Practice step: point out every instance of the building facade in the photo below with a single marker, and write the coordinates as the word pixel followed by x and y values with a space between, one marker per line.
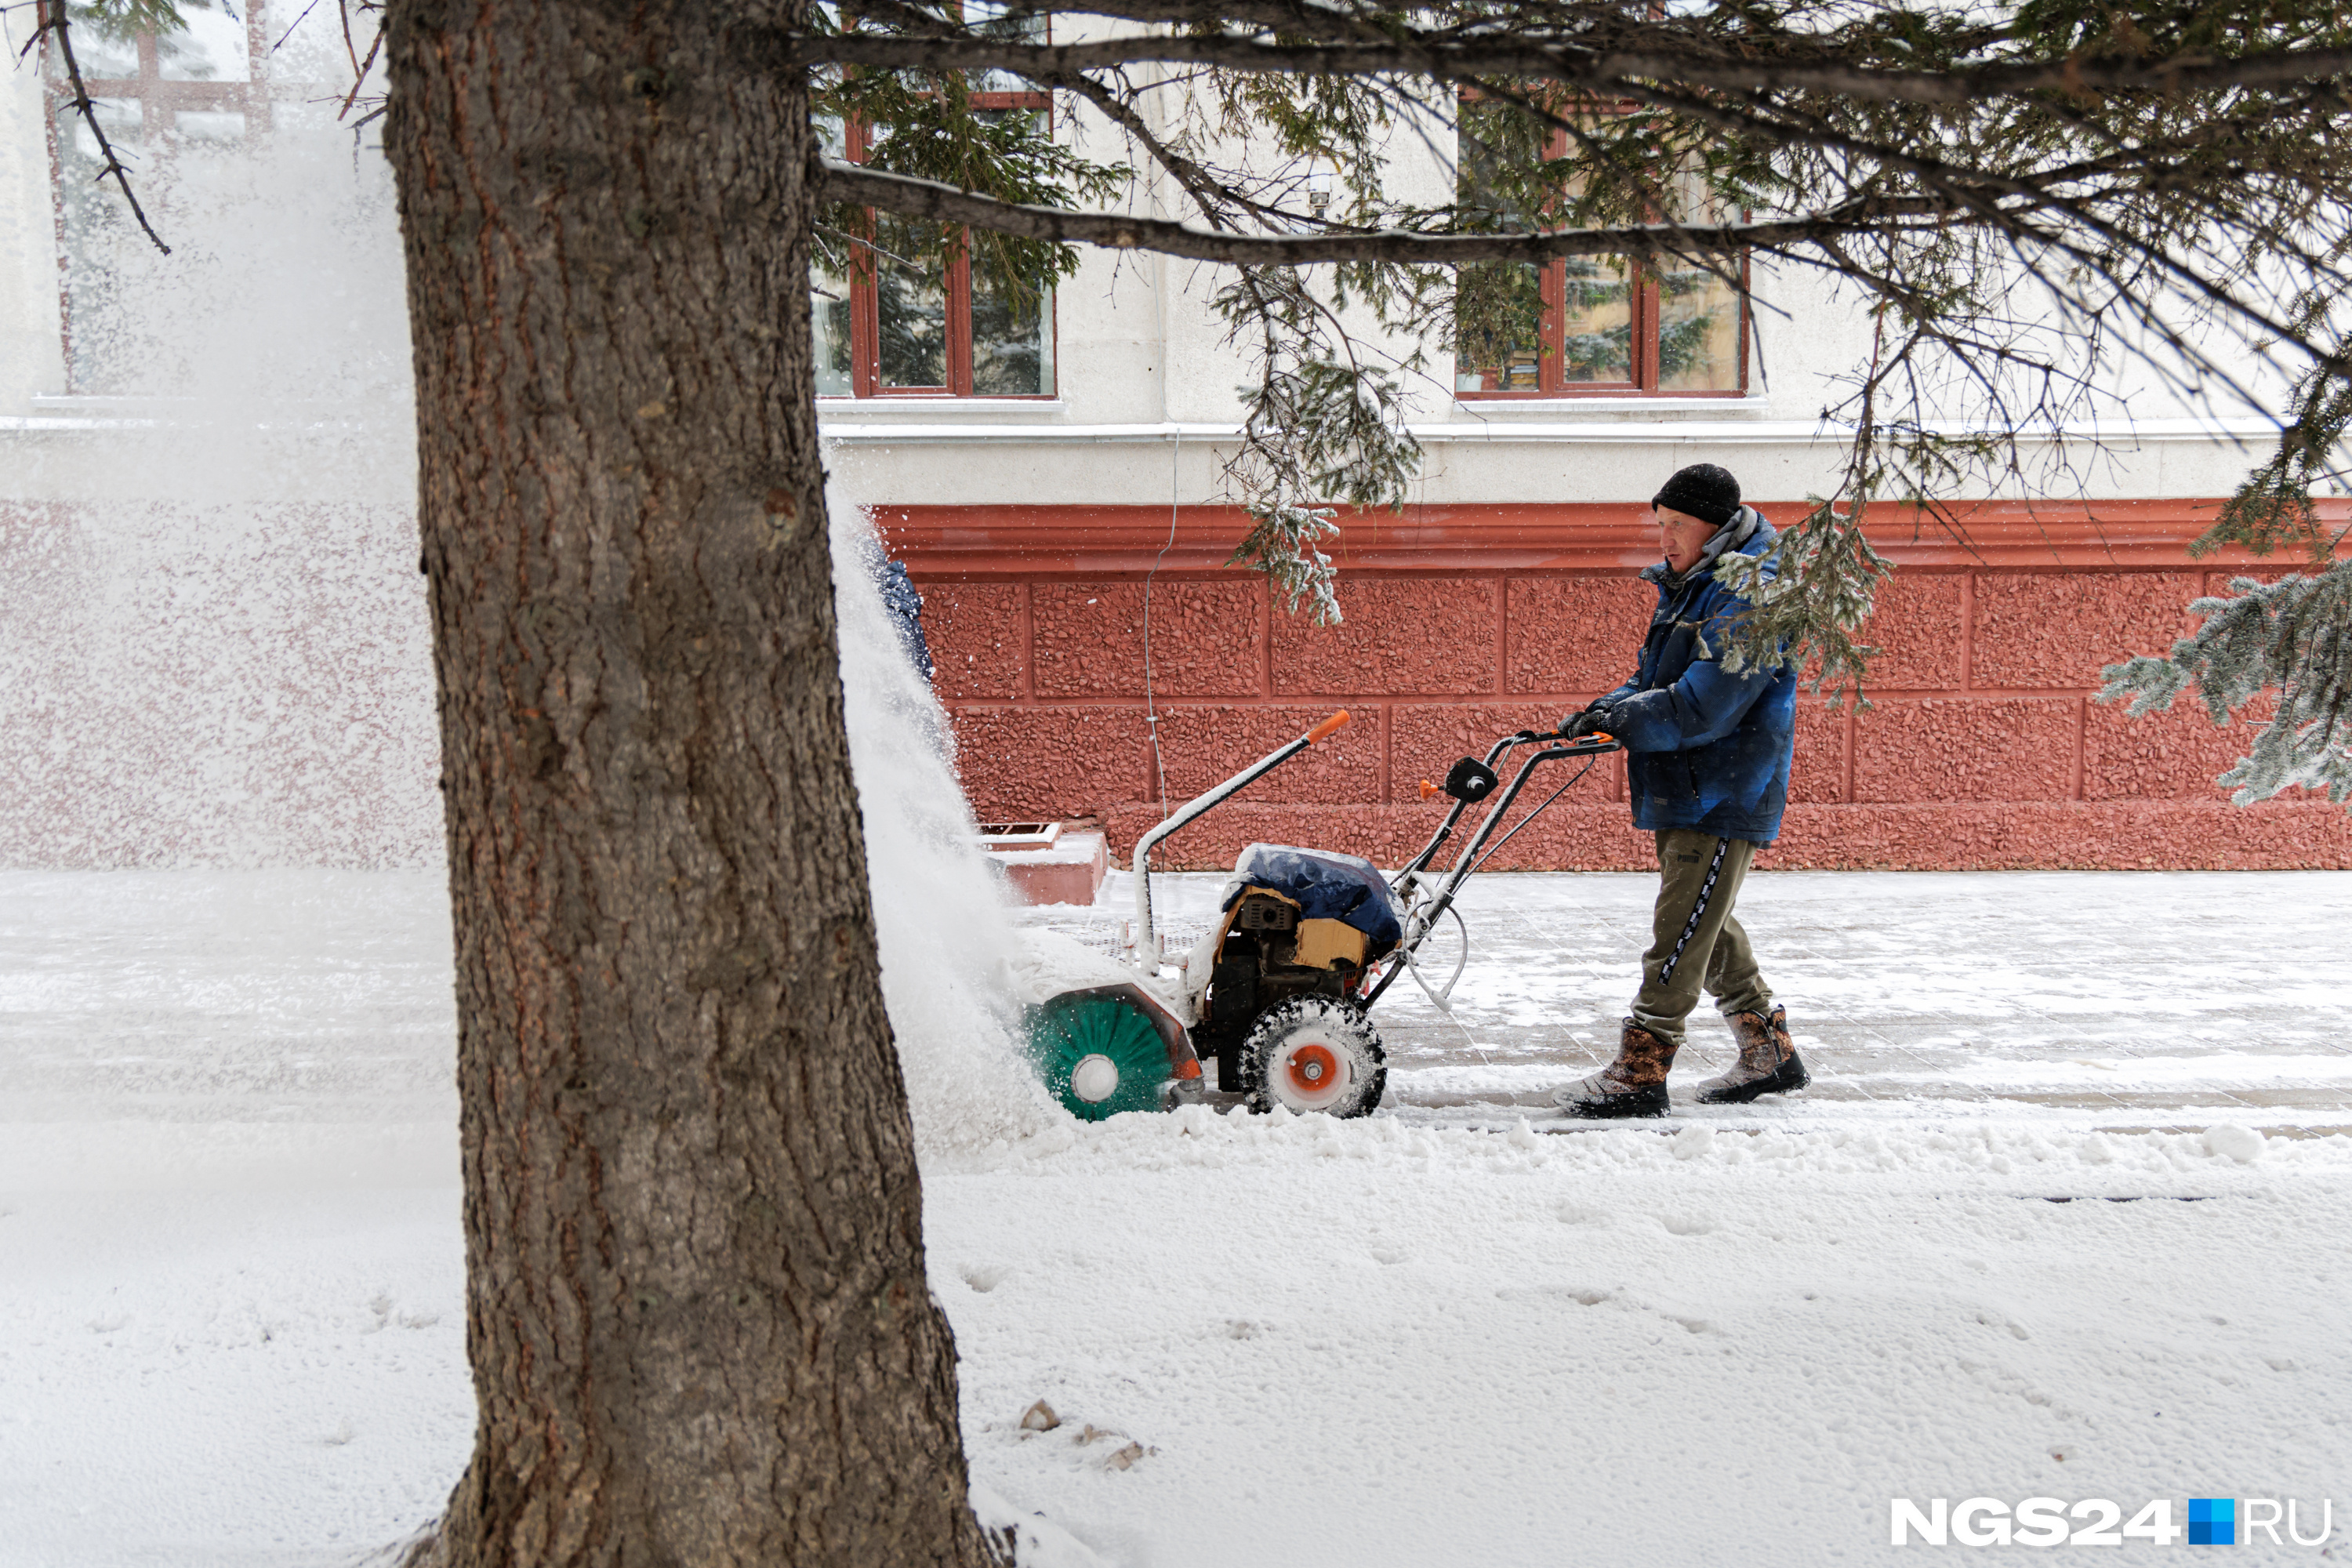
pixel 215 645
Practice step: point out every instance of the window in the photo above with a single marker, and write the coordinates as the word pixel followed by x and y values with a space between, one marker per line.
pixel 891 323
pixel 171 103
pixel 229 123
pixel 1582 326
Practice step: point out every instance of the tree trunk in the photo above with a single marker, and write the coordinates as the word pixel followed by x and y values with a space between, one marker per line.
pixel 697 1312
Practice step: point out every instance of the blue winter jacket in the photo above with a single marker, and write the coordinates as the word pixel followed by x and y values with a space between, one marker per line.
pixel 1705 749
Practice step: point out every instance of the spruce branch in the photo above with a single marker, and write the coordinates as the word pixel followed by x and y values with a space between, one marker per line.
pixel 1807 593
pixel 1695 62
pixel 1323 426
pixel 2293 636
pixel 937 201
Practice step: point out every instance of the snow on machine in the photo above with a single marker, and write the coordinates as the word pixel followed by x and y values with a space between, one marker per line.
pixel 1279 991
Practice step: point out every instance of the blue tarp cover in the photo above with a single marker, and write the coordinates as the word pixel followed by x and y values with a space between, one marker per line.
pixel 1328 887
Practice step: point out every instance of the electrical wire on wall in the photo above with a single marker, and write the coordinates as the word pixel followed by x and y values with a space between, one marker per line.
pixel 1151 709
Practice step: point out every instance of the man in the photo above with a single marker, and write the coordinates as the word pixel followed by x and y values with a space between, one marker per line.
pixel 1707 760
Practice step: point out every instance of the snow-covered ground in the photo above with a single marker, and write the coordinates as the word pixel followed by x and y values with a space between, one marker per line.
pixel 231 1321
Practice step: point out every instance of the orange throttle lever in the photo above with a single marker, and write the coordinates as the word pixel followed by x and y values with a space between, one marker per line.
pixel 1429 790
pixel 1329 728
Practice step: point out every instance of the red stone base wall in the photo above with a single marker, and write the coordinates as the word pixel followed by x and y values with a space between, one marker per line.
pixel 1982 749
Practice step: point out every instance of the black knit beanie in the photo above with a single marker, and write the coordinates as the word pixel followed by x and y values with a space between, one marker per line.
pixel 1703 491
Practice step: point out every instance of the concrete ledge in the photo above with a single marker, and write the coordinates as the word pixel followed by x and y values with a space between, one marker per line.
pixel 1067 873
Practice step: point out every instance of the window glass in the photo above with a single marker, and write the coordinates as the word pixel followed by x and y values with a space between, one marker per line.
pixel 830 260
pixel 1011 341
pixel 1596 320
pixel 104 52
pixel 902 306
pixel 229 127
pixel 1698 332
pixel 829 300
pixel 1499 308
pixel 1011 324
pixel 1580 322
pixel 208 125
pixel 987 19
pixel 100 237
pixel 210 45
pixel 1698 309
pixel 1499 320
pixel 911 303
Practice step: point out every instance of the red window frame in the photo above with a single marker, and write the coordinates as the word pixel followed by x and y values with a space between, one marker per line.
pixel 865 301
pixel 1642 344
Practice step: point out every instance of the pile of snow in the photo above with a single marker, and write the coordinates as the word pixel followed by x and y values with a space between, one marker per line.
pixel 1046 963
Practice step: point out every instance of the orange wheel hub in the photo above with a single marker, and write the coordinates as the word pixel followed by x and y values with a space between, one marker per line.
pixel 1313 1068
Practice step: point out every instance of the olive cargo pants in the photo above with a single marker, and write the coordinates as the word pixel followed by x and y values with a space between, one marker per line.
pixel 1694 938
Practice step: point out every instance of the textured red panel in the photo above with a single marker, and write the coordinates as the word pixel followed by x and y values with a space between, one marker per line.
pixel 2173 755
pixel 1400 636
pixel 1425 739
pixel 1817 771
pixel 2056 629
pixel 2012 749
pixel 973 630
pixel 1088 638
pixel 1202 747
pixel 1023 762
pixel 1377 833
pixel 1576 837
pixel 1576 636
pixel 2217 584
pixel 2120 836
pixel 1984 836
pixel 1915 626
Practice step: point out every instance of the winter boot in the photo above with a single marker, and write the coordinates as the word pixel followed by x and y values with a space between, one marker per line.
pixel 1767 1064
pixel 1633 1085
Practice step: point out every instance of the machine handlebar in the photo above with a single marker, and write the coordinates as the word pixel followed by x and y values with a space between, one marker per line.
pixel 1329 728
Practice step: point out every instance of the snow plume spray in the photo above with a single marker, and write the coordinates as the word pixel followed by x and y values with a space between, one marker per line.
pixel 213 646
pixel 217 652
pixel 939 909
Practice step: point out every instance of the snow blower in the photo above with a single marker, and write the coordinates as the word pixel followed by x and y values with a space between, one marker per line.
pixel 1279 993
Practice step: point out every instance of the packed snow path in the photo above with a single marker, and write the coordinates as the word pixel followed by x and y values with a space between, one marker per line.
pixel 2111 999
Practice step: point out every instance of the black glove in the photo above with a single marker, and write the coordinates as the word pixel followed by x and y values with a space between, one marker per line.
pixel 1594 720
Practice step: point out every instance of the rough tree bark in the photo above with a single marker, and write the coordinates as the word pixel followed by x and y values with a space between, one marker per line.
pixel 697 1312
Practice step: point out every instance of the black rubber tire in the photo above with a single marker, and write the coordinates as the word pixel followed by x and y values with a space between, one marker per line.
pixel 1288 1031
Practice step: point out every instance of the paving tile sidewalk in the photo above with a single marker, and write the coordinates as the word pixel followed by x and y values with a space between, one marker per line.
pixel 2112 999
